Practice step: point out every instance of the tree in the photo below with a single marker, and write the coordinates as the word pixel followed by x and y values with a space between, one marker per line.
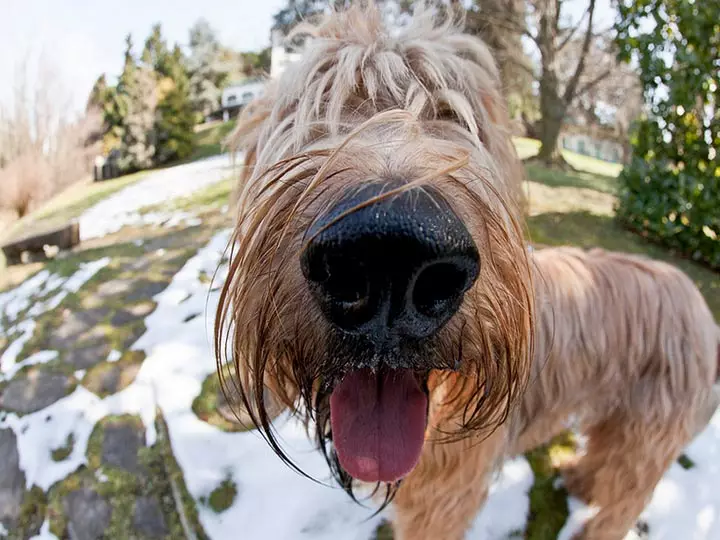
pixel 500 24
pixel 669 191
pixel 44 146
pixel 207 72
pixel 175 116
pixel 136 89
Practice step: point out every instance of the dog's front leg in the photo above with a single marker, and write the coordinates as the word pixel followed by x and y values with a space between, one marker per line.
pixel 442 496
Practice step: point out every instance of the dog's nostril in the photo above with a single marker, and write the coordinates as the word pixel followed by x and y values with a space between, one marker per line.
pixel 345 281
pixel 438 287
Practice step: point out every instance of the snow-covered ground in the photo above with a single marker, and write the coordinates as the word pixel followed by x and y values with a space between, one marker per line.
pixel 123 208
pixel 272 500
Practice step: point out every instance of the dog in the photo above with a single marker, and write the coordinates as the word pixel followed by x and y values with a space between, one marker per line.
pixel 380 286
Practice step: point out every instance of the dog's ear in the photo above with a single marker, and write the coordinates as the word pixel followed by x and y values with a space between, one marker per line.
pixel 245 139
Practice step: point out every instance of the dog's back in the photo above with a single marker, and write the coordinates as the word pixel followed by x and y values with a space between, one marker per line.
pixel 618 331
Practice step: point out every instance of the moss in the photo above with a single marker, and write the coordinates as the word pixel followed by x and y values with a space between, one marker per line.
pixel 109 378
pixel 166 472
pixel 223 496
pixel 384 532
pixel 63 452
pixel 205 406
pixel 32 514
pixel 685 462
pixel 548 504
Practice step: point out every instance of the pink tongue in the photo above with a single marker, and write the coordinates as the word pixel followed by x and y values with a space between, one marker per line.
pixel 378 424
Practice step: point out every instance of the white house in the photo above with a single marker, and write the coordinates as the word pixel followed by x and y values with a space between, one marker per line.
pixel 238 95
pixel 587 145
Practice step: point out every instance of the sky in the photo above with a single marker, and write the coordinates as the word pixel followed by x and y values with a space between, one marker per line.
pixel 81 39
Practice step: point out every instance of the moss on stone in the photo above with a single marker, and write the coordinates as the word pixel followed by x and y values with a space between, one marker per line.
pixel 61 453
pixel 223 496
pixel 548 503
pixel 685 462
pixel 32 514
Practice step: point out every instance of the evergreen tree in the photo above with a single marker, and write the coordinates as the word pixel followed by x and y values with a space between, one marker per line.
pixel 175 115
pixel 208 74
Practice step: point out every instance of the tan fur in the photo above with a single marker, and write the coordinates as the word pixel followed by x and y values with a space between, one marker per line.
pixel 625 345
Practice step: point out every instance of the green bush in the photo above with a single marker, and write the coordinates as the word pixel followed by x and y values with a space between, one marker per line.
pixel 670 192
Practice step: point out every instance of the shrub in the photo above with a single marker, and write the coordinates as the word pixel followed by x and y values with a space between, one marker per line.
pixel 670 192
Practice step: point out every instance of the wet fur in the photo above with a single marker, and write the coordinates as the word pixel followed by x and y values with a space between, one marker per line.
pixel 625 344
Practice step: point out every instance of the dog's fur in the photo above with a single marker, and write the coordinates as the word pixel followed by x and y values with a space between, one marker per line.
pixel 625 345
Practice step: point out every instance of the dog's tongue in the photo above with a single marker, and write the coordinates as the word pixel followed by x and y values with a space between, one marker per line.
pixel 378 424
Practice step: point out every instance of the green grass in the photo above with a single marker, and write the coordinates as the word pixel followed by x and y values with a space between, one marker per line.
pixel 69 205
pixel 576 179
pixel 527 148
pixel 209 141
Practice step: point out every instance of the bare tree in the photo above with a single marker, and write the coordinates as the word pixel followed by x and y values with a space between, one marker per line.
pixel 42 147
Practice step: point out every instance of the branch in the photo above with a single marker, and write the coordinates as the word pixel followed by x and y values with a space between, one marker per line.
pixel 573 83
pixel 524 65
pixel 572 31
pixel 558 3
pixel 604 75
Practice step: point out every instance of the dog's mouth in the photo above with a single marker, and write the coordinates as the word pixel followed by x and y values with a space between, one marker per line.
pixel 378 420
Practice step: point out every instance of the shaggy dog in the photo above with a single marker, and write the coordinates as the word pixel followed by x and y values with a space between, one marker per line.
pixel 381 287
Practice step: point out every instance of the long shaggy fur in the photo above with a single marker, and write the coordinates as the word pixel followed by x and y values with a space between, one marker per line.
pixel 624 344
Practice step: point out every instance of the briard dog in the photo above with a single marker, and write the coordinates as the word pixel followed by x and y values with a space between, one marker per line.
pixel 381 287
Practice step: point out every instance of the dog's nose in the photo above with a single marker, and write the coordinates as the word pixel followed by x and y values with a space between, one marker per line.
pixel 390 266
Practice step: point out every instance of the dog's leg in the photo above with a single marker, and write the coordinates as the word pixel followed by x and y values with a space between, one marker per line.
pixel 444 493
pixel 626 458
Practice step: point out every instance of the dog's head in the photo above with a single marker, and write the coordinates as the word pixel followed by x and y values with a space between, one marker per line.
pixel 380 282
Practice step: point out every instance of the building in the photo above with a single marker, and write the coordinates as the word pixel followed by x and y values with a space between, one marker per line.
pixel 236 95
pixel 592 144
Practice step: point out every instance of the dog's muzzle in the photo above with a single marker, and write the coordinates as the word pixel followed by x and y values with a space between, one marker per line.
pixel 392 269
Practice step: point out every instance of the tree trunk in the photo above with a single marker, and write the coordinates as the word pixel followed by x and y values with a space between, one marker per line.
pixel 552 110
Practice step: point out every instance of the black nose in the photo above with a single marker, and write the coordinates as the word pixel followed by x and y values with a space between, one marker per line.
pixel 393 268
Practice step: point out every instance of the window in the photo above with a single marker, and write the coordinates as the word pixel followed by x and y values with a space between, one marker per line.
pixel 231 99
pixel 247 96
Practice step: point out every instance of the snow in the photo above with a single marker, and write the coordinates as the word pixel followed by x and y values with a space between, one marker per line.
pixel 272 500
pixel 18 300
pixel 123 208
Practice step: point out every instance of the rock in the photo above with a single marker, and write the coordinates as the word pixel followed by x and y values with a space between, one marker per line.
pixel 145 290
pixel 114 287
pixel 123 317
pixel 35 391
pixel 76 324
pixel 109 378
pixel 148 518
pixel 12 480
pixel 85 357
pixel 121 442
pixel 143 309
pixel 88 514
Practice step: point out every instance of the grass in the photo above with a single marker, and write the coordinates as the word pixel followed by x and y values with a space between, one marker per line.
pixel 575 179
pixel 70 204
pixel 209 141
pixel 527 148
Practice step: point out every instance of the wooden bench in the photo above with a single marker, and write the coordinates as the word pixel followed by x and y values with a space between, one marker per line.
pixel 35 246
